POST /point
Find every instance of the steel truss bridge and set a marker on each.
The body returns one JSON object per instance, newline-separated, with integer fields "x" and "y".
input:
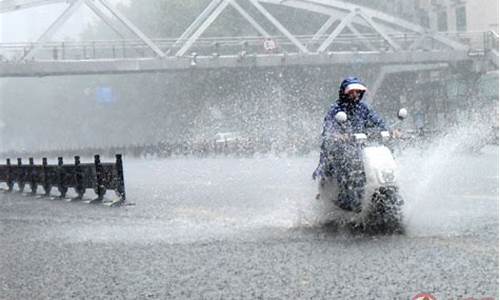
{"x": 350, "y": 34}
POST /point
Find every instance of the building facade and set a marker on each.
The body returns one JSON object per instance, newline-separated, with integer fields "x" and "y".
{"x": 460, "y": 15}
{"x": 442, "y": 15}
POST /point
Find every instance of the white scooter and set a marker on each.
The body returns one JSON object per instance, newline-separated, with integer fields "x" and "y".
{"x": 381, "y": 204}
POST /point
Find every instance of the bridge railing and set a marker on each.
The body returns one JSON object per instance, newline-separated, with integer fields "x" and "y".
{"x": 207, "y": 46}
{"x": 99, "y": 176}
{"x": 119, "y": 49}
{"x": 491, "y": 40}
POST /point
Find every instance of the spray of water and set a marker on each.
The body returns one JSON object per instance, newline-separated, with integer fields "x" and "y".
{"x": 435, "y": 176}
{"x": 185, "y": 199}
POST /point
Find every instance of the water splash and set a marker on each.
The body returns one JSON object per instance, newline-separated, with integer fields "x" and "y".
{"x": 436, "y": 179}
{"x": 187, "y": 199}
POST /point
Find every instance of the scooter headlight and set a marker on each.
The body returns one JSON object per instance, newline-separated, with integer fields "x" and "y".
{"x": 387, "y": 176}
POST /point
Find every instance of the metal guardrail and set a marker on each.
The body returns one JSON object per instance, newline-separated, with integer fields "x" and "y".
{"x": 128, "y": 48}
{"x": 98, "y": 176}
{"x": 491, "y": 40}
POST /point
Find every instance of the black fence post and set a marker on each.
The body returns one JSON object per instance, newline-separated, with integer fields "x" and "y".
{"x": 46, "y": 185}
{"x": 120, "y": 182}
{"x": 20, "y": 175}
{"x": 10, "y": 180}
{"x": 100, "y": 190}
{"x": 99, "y": 176}
{"x": 32, "y": 174}
{"x": 61, "y": 176}
{"x": 79, "y": 189}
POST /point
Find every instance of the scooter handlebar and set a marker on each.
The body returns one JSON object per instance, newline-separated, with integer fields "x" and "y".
{"x": 361, "y": 137}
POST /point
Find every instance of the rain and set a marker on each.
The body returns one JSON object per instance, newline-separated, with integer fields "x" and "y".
{"x": 216, "y": 110}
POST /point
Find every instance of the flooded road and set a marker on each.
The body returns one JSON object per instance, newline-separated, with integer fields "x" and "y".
{"x": 250, "y": 228}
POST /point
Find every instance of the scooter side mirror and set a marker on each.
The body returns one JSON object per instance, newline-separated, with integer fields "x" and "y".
{"x": 402, "y": 114}
{"x": 341, "y": 117}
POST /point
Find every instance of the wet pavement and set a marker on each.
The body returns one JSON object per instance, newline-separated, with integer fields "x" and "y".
{"x": 249, "y": 228}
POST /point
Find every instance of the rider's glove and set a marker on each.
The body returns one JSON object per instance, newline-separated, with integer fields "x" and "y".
{"x": 396, "y": 134}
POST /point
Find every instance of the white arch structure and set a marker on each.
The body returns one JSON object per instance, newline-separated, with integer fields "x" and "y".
{"x": 97, "y": 6}
{"x": 350, "y": 34}
{"x": 346, "y": 15}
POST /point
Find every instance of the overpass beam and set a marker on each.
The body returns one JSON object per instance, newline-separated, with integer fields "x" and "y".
{"x": 493, "y": 57}
{"x": 215, "y": 8}
{"x": 132, "y": 28}
{"x": 70, "y": 10}
{"x": 360, "y": 36}
{"x": 420, "y": 39}
{"x": 279, "y": 26}
{"x": 13, "y": 5}
{"x": 221, "y": 5}
{"x": 324, "y": 28}
{"x": 450, "y": 43}
{"x": 196, "y": 24}
{"x": 386, "y": 37}
{"x": 105, "y": 18}
{"x": 390, "y": 69}
{"x": 249, "y": 18}
{"x": 336, "y": 32}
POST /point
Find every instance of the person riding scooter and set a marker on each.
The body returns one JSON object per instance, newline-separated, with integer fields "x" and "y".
{"x": 339, "y": 156}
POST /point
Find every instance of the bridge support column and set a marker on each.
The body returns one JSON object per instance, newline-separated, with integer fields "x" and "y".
{"x": 391, "y": 69}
